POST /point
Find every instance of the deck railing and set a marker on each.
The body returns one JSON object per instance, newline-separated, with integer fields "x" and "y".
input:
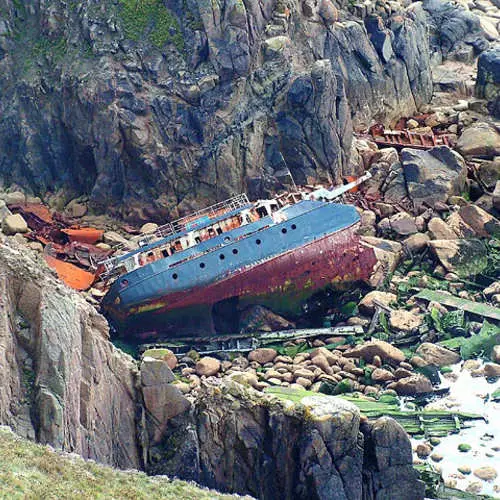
{"x": 176, "y": 226}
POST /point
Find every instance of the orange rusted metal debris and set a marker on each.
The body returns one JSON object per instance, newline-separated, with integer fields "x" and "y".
{"x": 75, "y": 277}
{"x": 88, "y": 235}
{"x": 69, "y": 249}
{"x": 349, "y": 179}
{"x": 418, "y": 139}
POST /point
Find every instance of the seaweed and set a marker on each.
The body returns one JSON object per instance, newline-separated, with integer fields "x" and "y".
{"x": 481, "y": 344}
{"x": 415, "y": 422}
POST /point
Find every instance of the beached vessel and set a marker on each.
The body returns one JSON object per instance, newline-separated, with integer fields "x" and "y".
{"x": 271, "y": 252}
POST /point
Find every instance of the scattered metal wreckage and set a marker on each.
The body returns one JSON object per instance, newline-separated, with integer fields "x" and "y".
{"x": 419, "y": 138}
{"x": 69, "y": 248}
{"x": 447, "y": 299}
{"x": 244, "y": 343}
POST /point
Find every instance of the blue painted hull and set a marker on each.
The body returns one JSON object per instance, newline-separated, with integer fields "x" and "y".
{"x": 264, "y": 262}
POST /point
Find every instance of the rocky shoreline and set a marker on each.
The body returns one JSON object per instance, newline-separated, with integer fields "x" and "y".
{"x": 123, "y": 121}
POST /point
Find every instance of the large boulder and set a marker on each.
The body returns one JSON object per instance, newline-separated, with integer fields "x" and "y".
{"x": 384, "y": 350}
{"x": 488, "y": 79}
{"x": 488, "y": 173}
{"x": 162, "y": 400}
{"x": 483, "y": 223}
{"x": 13, "y": 224}
{"x": 456, "y": 224}
{"x": 434, "y": 175}
{"x": 155, "y": 372}
{"x": 480, "y": 139}
{"x": 391, "y": 453}
{"x": 463, "y": 257}
{"x": 440, "y": 230}
{"x": 437, "y": 355}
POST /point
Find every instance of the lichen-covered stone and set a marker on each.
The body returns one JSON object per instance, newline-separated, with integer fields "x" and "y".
{"x": 305, "y": 446}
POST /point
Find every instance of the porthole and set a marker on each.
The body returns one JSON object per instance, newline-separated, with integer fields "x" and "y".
{"x": 174, "y": 276}
{"x": 222, "y": 256}
{"x": 202, "y": 265}
{"x": 294, "y": 226}
{"x": 283, "y": 230}
{"x": 235, "y": 251}
{"x": 258, "y": 242}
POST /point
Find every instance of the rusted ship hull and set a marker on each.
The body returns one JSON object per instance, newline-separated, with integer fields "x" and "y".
{"x": 283, "y": 283}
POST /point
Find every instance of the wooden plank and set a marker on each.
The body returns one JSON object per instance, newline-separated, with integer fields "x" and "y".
{"x": 458, "y": 303}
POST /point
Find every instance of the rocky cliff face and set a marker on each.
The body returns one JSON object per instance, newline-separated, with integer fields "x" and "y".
{"x": 63, "y": 383}
{"x": 237, "y": 440}
{"x": 150, "y": 108}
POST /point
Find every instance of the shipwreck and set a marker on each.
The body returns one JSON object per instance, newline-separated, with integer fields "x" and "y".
{"x": 275, "y": 253}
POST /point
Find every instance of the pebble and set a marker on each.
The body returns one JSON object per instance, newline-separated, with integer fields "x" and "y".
{"x": 304, "y": 382}
{"x": 263, "y": 355}
{"x": 436, "y": 457}
{"x": 474, "y": 487}
{"x": 423, "y": 450}
{"x": 464, "y": 469}
{"x": 486, "y": 473}
{"x": 322, "y": 363}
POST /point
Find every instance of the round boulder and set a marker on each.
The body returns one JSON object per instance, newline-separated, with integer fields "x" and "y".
{"x": 486, "y": 473}
{"x": 13, "y": 224}
{"x": 384, "y": 350}
{"x": 262, "y": 355}
{"x": 437, "y": 355}
{"x": 207, "y": 366}
{"x": 480, "y": 139}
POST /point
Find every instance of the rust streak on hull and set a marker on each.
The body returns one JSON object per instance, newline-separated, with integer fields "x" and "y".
{"x": 282, "y": 282}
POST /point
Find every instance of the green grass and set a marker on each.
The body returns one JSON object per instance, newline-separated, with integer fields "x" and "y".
{"x": 47, "y": 47}
{"x": 151, "y": 17}
{"x": 28, "y": 470}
